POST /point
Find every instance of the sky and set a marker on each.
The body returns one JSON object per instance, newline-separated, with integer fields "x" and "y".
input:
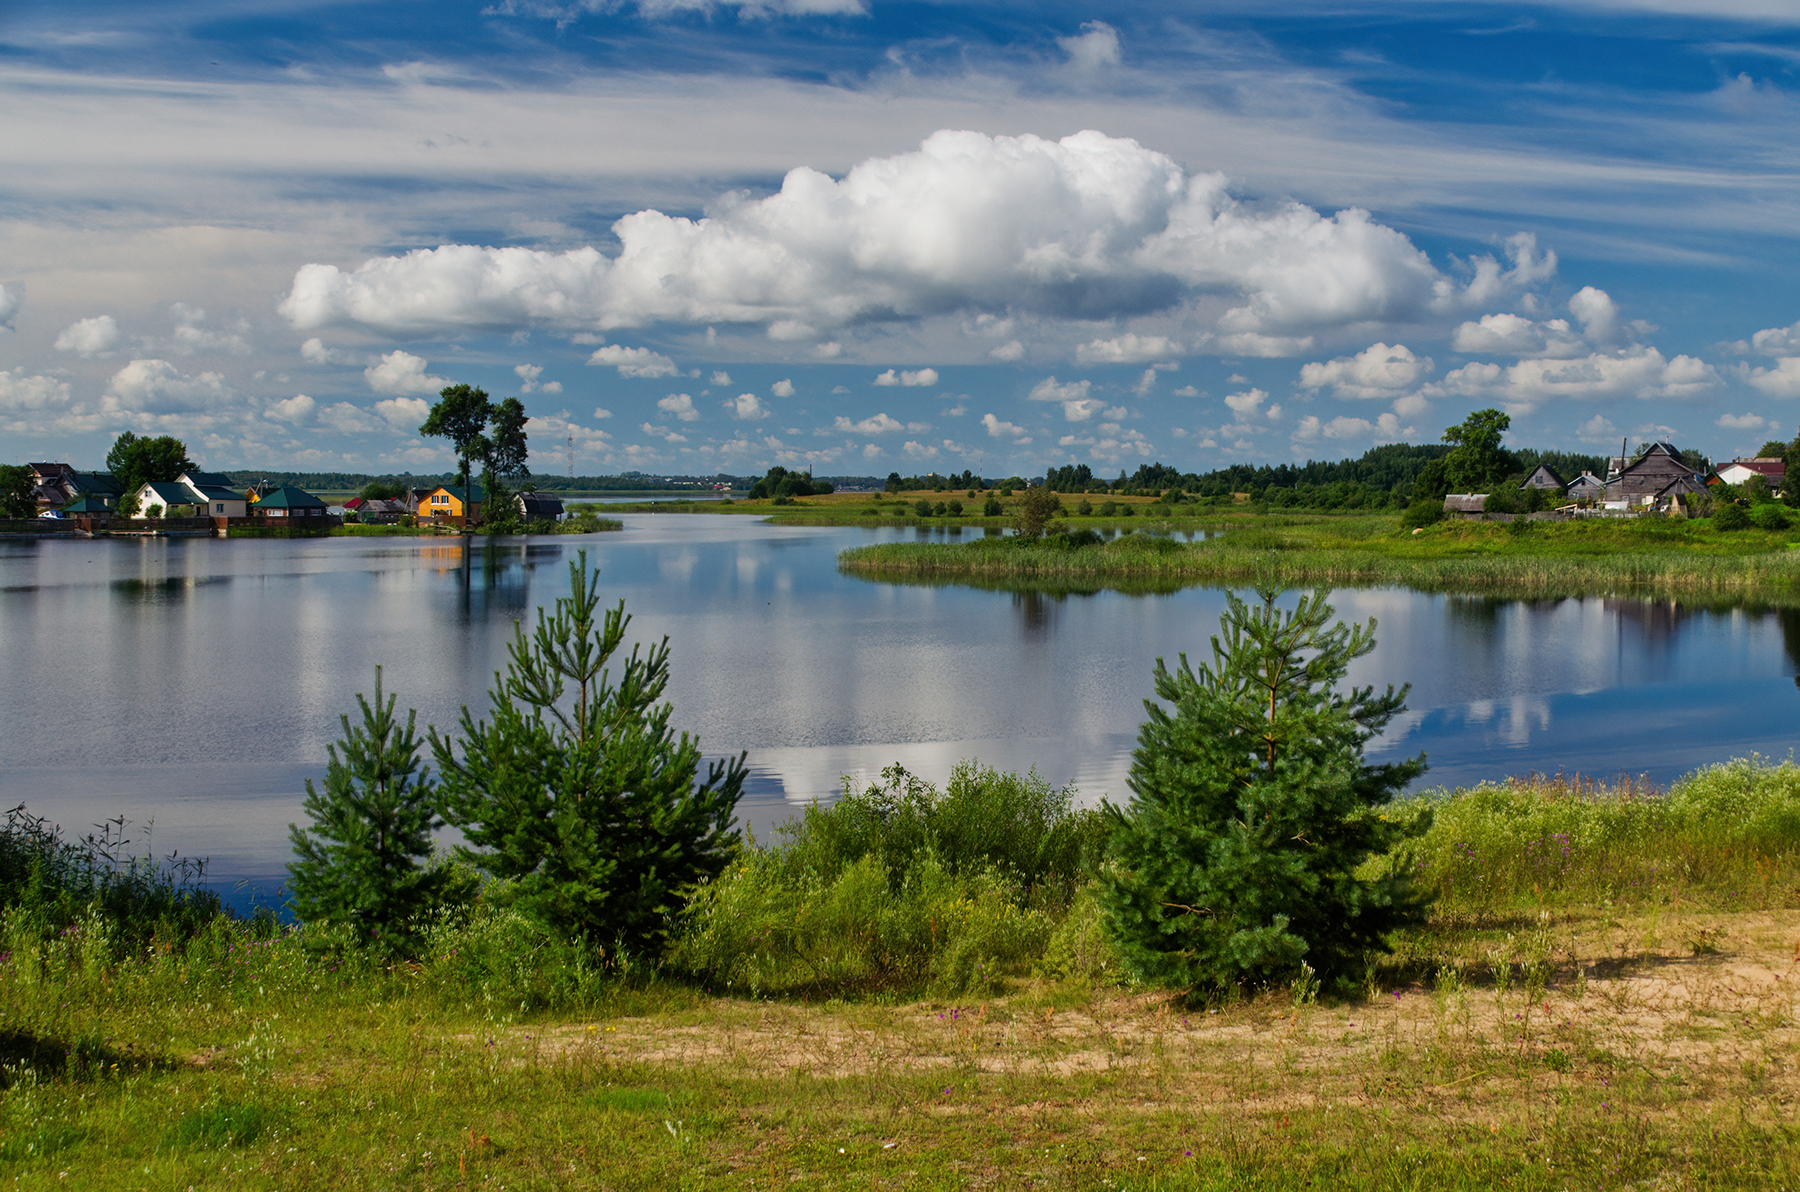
{"x": 856, "y": 236}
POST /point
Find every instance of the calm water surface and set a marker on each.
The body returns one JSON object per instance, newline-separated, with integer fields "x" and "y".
{"x": 196, "y": 683}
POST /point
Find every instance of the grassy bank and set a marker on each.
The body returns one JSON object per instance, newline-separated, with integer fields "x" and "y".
{"x": 1638, "y": 556}
{"x": 1604, "y": 997}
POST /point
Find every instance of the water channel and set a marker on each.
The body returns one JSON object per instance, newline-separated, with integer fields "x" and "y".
{"x": 193, "y": 685}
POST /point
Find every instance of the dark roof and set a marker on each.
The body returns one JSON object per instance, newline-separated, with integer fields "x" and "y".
{"x": 103, "y": 483}
{"x": 169, "y": 493}
{"x": 200, "y": 479}
{"x": 1762, "y": 464}
{"x": 540, "y": 505}
{"x": 1543, "y": 476}
{"x": 286, "y": 496}
{"x": 86, "y": 505}
{"x": 216, "y": 492}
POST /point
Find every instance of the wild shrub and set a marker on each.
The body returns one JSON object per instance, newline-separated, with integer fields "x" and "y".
{"x": 899, "y": 885}
{"x": 1253, "y": 812}
{"x": 1771, "y": 517}
{"x": 1731, "y": 516}
{"x": 1422, "y": 512}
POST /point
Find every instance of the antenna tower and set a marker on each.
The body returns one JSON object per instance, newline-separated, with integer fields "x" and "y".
{"x": 571, "y": 442}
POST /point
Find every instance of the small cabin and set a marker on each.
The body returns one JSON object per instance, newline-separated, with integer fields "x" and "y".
{"x": 536, "y": 506}
{"x": 213, "y": 493}
{"x": 1773, "y": 471}
{"x": 285, "y": 502}
{"x": 165, "y": 496}
{"x": 1585, "y": 487}
{"x": 457, "y": 506}
{"x": 1466, "y": 504}
{"x": 1545, "y": 478}
{"x": 1653, "y": 480}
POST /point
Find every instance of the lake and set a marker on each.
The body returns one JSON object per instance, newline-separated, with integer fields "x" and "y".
{"x": 192, "y": 685}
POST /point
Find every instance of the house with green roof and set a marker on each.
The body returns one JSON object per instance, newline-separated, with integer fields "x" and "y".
{"x": 285, "y": 502}
{"x": 164, "y": 496}
{"x": 213, "y": 493}
{"x": 456, "y": 505}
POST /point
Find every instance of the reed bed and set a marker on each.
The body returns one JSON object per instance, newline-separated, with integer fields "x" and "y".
{"x": 1267, "y": 556}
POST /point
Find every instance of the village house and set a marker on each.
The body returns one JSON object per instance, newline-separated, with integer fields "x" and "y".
{"x": 285, "y": 502}
{"x": 213, "y": 493}
{"x": 1543, "y": 477}
{"x": 1773, "y": 471}
{"x": 458, "y": 506}
{"x": 1585, "y": 487}
{"x": 536, "y": 506}
{"x": 1655, "y": 480}
{"x": 164, "y": 498}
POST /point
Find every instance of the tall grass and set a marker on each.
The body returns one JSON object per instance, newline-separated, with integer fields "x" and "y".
{"x": 1657, "y": 557}
{"x": 899, "y": 886}
{"x": 1726, "y": 835}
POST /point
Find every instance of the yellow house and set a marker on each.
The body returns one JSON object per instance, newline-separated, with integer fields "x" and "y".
{"x": 446, "y": 504}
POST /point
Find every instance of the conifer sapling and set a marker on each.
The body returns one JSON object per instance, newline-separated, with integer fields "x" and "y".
{"x": 1253, "y": 810}
{"x": 364, "y": 861}
{"x": 576, "y": 791}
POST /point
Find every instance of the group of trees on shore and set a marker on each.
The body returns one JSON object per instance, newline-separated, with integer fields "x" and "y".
{"x": 1241, "y": 858}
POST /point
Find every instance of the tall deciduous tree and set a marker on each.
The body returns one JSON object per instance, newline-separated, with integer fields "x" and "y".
{"x": 461, "y": 415}
{"x": 1238, "y": 857}
{"x": 577, "y": 791}
{"x": 363, "y": 861}
{"x": 135, "y": 462}
{"x": 1479, "y": 462}
{"x": 16, "y": 485}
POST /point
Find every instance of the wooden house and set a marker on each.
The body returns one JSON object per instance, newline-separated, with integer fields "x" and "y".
{"x": 455, "y": 506}
{"x": 213, "y": 494}
{"x": 285, "y": 502}
{"x": 1543, "y": 477}
{"x": 1653, "y": 480}
{"x": 167, "y": 497}
{"x": 536, "y": 506}
{"x": 1585, "y": 487}
{"x": 1470, "y": 505}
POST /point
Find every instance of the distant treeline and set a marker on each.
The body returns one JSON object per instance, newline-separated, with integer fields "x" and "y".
{"x": 1383, "y": 475}
{"x": 624, "y": 482}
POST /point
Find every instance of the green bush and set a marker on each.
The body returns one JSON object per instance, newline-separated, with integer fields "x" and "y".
{"x": 897, "y": 886}
{"x": 1422, "y": 512}
{"x": 1770, "y": 517}
{"x": 992, "y": 507}
{"x": 1731, "y": 516}
{"x": 922, "y": 507}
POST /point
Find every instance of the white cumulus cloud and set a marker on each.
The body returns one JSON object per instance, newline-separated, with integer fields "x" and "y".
{"x": 681, "y": 405}
{"x": 782, "y": 388}
{"x": 1378, "y": 371}
{"x": 158, "y": 387}
{"x": 878, "y": 424}
{"x": 747, "y": 406}
{"x": 1012, "y": 349}
{"x": 1129, "y": 348}
{"x": 528, "y": 375}
{"x": 297, "y": 408}
{"x": 404, "y": 413}
{"x": 634, "y": 362}
{"x": 923, "y": 377}
{"x": 1005, "y": 430}
{"x": 720, "y": 377}
{"x": 1097, "y": 45}
{"x": 1635, "y": 371}
{"x": 1781, "y": 381}
{"x": 1742, "y": 421}
{"x": 402, "y": 373}
{"x": 97, "y": 336}
{"x": 1088, "y": 227}
{"x": 21, "y": 394}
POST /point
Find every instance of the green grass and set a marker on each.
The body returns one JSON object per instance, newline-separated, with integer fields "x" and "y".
{"x": 1643, "y": 556}
{"x": 1619, "y": 1019}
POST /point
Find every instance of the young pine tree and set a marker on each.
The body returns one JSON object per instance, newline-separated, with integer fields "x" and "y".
{"x": 364, "y": 861}
{"x": 1253, "y": 809}
{"x": 576, "y": 791}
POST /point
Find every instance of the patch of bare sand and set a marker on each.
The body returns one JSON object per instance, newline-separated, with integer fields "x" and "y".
{"x": 1709, "y": 1001}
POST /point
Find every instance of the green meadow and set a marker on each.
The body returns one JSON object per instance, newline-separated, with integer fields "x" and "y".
{"x": 909, "y": 989}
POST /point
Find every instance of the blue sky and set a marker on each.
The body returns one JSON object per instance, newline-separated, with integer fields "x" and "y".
{"x": 864, "y": 237}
